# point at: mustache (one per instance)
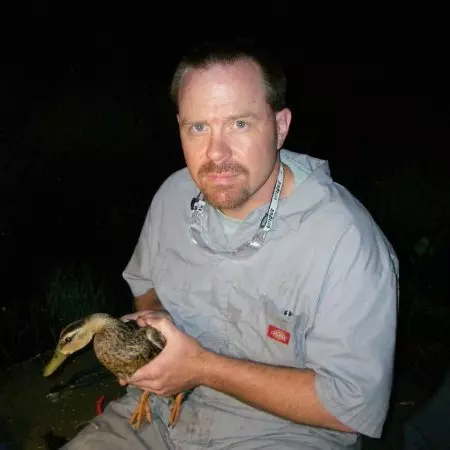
(228, 167)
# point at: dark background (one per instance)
(87, 134)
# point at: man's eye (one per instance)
(198, 127)
(241, 124)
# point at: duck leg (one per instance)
(142, 408)
(175, 409)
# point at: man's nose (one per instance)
(218, 149)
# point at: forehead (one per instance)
(222, 86)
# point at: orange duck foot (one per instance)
(142, 409)
(175, 409)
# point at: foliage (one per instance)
(71, 293)
(68, 292)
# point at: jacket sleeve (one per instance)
(351, 345)
(138, 272)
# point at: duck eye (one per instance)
(68, 339)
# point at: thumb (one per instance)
(162, 324)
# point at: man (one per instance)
(281, 289)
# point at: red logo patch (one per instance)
(278, 334)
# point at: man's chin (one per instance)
(225, 200)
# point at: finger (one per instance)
(161, 313)
(156, 313)
(163, 324)
(137, 377)
(144, 374)
(131, 316)
(146, 313)
(142, 321)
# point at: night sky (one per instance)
(87, 134)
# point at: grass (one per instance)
(68, 292)
(72, 293)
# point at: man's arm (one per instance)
(148, 301)
(283, 391)
(264, 387)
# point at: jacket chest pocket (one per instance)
(266, 331)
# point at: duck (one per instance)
(122, 347)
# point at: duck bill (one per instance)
(57, 359)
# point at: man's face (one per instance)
(230, 135)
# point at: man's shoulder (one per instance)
(335, 211)
(176, 185)
(357, 220)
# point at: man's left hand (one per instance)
(177, 368)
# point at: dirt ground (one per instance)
(31, 420)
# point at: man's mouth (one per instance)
(224, 177)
